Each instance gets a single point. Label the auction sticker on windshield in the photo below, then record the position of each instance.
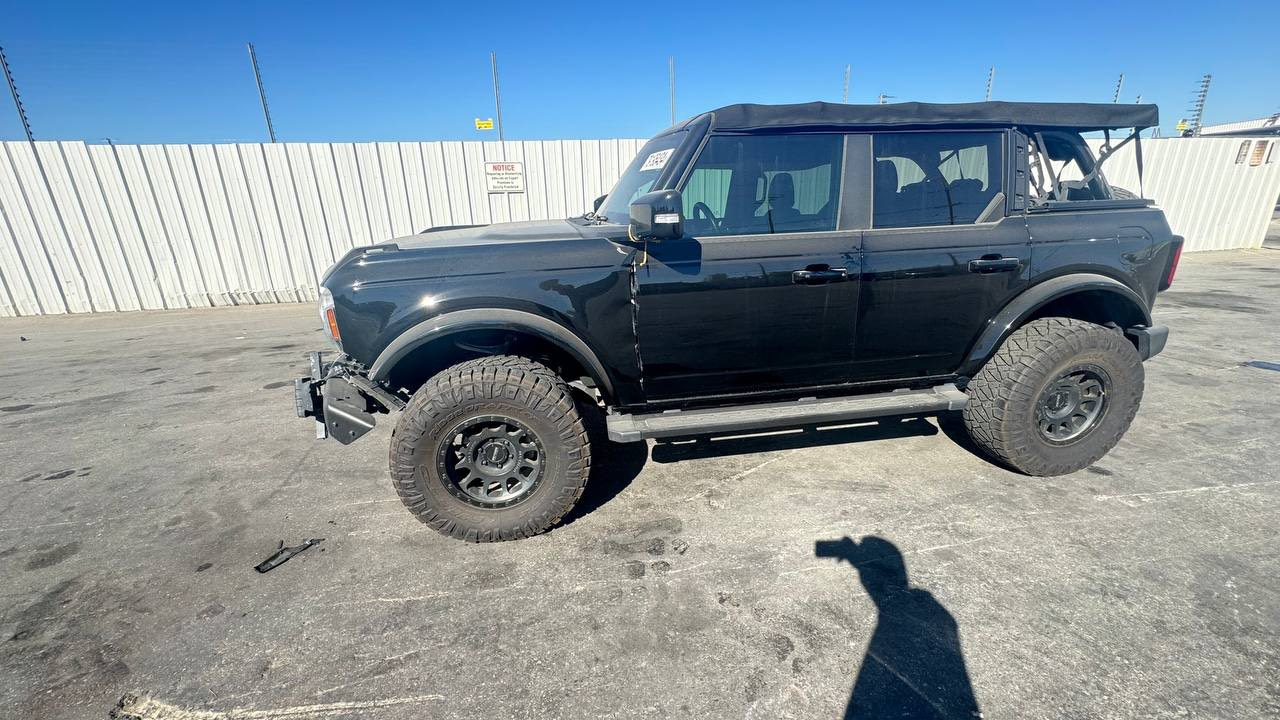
(657, 161)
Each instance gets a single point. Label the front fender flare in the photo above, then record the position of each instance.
(491, 319)
(1036, 297)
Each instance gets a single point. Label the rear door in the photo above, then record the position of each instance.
(943, 252)
(761, 293)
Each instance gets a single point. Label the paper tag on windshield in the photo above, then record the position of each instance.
(657, 161)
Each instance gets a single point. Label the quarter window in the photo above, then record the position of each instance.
(925, 179)
(759, 184)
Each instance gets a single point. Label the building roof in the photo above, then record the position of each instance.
(1081, 117)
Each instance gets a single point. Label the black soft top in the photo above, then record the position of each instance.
(1080, 117)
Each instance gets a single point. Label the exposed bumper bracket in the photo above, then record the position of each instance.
(340, 399)
(1149, 340)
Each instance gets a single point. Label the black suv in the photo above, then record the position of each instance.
(761, 266)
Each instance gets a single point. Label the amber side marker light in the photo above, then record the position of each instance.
(333, 323)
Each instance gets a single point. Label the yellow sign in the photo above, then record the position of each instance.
(1182, 125)
(484, 124)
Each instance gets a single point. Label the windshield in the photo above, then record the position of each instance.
(639, 177)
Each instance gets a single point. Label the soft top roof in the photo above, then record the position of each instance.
(1081, 117)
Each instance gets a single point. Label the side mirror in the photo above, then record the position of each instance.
(595, 207)
(658, 216)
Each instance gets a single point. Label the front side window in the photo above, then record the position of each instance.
(764, 184)
(944, 178)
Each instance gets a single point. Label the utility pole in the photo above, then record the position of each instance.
(671, 75)
(17, 101)
(497, 96)
(847, 68)
(1139, 100)
(262, 92)
(884, 97)
(991, 80)
(1197, 105)
(1119, 84)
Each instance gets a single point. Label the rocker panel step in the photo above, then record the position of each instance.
(740, 418)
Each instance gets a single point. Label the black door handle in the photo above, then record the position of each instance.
(995, 264)
(819, 277)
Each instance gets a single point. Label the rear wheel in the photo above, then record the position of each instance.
(491, 449)
(1058, 395)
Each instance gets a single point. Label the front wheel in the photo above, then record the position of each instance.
(1056, 397)
(491, 449)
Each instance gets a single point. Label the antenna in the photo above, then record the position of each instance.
(671, 73)
(262, 92)
(847, 68)
(1119, 84)
(497, 97)
(884, 97)
(1197, 105)
(17, 101)
(991, 80)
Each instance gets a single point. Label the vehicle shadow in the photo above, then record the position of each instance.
(914, 665)
(952, 425)
(613, 465)
(807, 437)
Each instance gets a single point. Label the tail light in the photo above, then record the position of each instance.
(1174, 257)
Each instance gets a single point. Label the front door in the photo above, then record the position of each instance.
(941, 256)
(761, 293)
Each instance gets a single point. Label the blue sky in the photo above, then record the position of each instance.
(179, 71)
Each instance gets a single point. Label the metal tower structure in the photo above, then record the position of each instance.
(17, 100)
(1197, 105)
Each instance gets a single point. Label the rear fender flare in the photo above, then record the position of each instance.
(1035, 297)
(491, 319)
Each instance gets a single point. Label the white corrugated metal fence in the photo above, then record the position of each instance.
(1212, 200)
(93, 228)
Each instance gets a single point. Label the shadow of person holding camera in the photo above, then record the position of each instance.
(914, 666)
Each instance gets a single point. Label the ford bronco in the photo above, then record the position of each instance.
(761, 267)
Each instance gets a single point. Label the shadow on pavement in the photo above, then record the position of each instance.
(613, 465)
(952, 425)
(914, 666)
(884, 429)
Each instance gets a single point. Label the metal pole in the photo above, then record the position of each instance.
(671, 72)
(497, 94)
(17, 101)
(1119, 84)
(847, 68)
(991, 79)
(262, 92)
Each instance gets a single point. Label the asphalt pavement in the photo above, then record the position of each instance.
(149, 460)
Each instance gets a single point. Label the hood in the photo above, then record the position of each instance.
(499, 233)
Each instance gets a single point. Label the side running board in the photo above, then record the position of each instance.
(746, 418)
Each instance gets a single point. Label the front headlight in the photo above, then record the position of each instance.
(327, 317)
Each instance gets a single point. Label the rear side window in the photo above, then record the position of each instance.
(762, 184)
(945, 178)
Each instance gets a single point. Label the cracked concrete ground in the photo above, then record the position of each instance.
(149, 461)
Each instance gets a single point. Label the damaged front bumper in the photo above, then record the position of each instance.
(341, 398)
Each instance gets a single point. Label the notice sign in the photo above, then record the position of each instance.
(486, 124)
(504, 177)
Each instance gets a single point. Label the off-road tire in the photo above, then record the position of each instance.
(1001, 414)
(508, 386)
